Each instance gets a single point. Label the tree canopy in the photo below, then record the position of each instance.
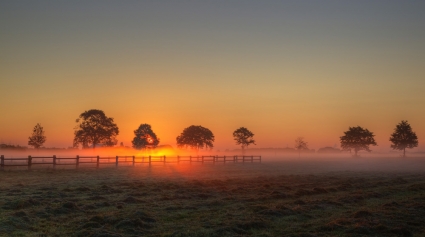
(243, 137)
(94, 128)
(37, 139)
(403, 137)
(357, 138)
(144, 136)
(196, 137)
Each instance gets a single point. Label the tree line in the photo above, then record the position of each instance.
(94, 128)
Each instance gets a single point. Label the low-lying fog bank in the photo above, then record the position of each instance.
(284, 162)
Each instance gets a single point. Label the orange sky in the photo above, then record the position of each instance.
(280, 69)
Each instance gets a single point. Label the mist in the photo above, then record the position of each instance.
(283, 162)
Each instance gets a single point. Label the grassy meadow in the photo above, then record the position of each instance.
(293, 197)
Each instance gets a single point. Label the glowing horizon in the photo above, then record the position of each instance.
(281, 69)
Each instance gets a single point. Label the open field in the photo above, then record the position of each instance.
(356, 197)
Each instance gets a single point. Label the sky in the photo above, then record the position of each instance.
(282, 69)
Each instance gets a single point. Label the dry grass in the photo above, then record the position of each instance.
(211, 200)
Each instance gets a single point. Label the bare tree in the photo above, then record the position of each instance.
(300, 145)
(37, 139)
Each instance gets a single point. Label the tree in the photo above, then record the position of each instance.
(403, 137)
(37, 138)
(300, 145)
(243, 137)
(144, 136)
(95, 128)
(357, 138)
(196, 137)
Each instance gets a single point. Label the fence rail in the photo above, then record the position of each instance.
(116, 160)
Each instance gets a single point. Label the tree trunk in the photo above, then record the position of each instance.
(94, 142)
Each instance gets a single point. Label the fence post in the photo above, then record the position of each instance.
(97, 162)
(77, 162)
(116, 161)
(134, 160)
(54, 162)
(178, 159)
(150, 161)
(29, 162)
(164, 160)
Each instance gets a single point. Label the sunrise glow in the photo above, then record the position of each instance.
(283, 75)
(212, 118)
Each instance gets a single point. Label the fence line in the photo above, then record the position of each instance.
(55, 161)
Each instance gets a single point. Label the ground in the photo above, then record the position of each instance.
(268, 199)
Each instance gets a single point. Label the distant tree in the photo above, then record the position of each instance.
(357, 138)
(144, 136)
(196, 137)
(12, 147)
(93, 128)
(403, 137)
(328, 149)
(300, 145)
(243, 137)
(37, 139)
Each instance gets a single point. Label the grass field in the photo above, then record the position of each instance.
(288, 198)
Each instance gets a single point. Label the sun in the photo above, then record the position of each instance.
(149, 139)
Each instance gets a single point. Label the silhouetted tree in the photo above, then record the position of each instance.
(403, 137)
(196, 137)
(300, 145)
(37, 138)
(95, 128)
(144, 136)
(243, 137)
(357, 138)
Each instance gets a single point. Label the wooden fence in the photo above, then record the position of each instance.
(116, 160)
